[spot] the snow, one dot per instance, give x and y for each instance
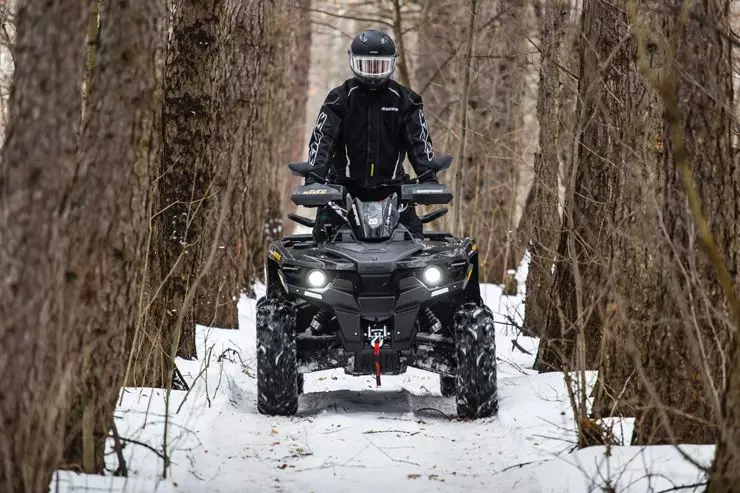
(350, 436)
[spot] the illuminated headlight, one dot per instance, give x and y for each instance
(316, 279)
(432, 275)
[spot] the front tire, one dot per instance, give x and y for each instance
(277, 375)
(476, 361)
(447, 385)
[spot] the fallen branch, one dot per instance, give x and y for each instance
(145, 445)
(515, 344)
(520, 465)
(411, 433)
(435, 410)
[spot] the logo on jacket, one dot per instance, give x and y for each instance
(388, 108)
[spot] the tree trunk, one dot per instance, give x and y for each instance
(457, 222)
(544, 210)
(486, 177)
(632, 306)
(573, 324)
(246, 135)
(39, 288)
(184, 192)
(299, 71)
(683, 380)
(118, 154)
(725, 474)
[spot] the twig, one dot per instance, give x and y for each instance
(683, 487)
(118, 448)
(389, 456)
(522, 464)
(145, 445)
(435, 410)
(515, 344)
(200, 374)
(411, 433)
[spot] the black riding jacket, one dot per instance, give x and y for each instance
(362, 136)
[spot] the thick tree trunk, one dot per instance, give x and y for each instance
(632, 306)
(544, 210)
(683, 379)
(184, 193)
(246, 133)
(574, 320)
(40, 289)
(118, 156)
(725, 473)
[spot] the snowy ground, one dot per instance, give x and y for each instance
(350, 436)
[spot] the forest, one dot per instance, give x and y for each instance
(144, 175)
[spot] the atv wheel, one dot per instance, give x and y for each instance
(300, 383)
(277, 375)
(447, 385)
(476, 361)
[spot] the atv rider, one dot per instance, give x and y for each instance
(366, 127)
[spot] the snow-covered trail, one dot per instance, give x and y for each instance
(350, 436)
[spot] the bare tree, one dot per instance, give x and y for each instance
(697, 178)
(574, 319)
(184, 192)
(544, 211)
(487, 177)
(118, 153)
(40, 289)
(725, 473)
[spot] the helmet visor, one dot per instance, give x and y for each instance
(373, 66)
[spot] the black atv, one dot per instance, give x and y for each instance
(374, 300)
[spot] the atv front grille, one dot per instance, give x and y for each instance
(375, 284)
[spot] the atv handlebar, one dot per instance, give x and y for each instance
(321, 194)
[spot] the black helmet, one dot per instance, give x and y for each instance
(372, 57)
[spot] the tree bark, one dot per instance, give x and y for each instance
(725, 474)
(575, 318)
(457, 223)
(682, 381)
(632, 305)
(185, 191)
(544, 210)
(299, 70)
(39, 294)
(118, 154)
(246, 136)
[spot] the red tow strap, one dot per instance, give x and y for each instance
(376, 356)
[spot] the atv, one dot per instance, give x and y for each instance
(374, 300)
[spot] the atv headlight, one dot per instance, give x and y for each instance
(316, 279)
(432, 275)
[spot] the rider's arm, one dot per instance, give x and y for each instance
(419, 142)
(326, 132)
